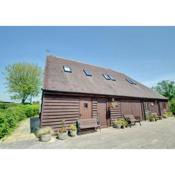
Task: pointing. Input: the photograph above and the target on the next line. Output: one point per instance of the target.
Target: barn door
(132, 107)
(101, 109)
(85, 108)
(153, 107)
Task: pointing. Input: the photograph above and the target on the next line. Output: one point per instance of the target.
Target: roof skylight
(111, 77)
(106, 76)
(67, 69)
(87, 72)
(131, 81)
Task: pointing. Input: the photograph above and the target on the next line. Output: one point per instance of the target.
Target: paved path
(151, 135)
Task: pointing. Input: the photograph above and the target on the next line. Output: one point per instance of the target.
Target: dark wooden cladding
(152, 106)
(85, 108)
(132, 107)
(163, 107)
(102, 111)
(94, 108)
(115, 112)
(56, 109)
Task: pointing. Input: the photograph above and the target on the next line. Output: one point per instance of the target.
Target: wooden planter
(117, 126)
(62, 136)
(73, 133)
(45, 138)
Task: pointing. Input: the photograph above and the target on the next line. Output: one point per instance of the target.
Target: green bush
(152, 117)
(30, 110)
(7, 105)
(167, 114)
(172, 106)
(10, 117)
(118, 123)
(4, 127)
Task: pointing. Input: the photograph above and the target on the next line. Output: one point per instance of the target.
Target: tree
(23, 80)
(166, 88)
(172, 106)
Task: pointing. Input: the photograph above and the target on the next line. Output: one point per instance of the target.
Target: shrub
(11, 116)
(4, 127)
(17, 112)
(4, 105)
(172, 106)
(73, 127)
(62, 130)
(30, 110)
(120, 123)
(167, 114)
(152, 117)
(44, 131)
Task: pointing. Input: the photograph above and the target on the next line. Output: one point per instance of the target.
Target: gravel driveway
(151, 135)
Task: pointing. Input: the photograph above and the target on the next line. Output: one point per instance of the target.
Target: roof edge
(70, 92)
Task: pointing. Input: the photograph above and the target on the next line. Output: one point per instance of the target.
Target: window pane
(86, 105)
(67, 69)
(131, 81)
(106, 77)
(87, 72)
(111, 77)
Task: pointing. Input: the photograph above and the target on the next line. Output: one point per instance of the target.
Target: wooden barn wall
(132, 107)
(115, 112)
(152, 106)
(56, 109)
(163, 107)
(94, 108)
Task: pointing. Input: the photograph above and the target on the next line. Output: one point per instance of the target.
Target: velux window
(111, 77)
(106, 76)
(131, 81)
(87, 72)
(67, 69)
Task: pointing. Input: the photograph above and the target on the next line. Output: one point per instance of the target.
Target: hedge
(10, 117)
(7, 105)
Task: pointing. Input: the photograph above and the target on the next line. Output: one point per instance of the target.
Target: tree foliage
(172, 106)
(166, 88)
(23, 80)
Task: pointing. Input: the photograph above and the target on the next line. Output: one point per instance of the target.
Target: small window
(87, 72)
(86, 105)
(111, 77)
(67, 69)
(131, 81)
(152, 104)
(106, 77)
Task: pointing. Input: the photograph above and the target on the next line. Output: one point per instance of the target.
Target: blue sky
(145, 53)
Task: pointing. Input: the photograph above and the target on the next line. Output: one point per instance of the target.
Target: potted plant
(125, 123)
(73, 130)
(167, 114)
(151, 118)
(62, 132)
(44, 134)
(116, 124)
(155, 116)
(120, 123)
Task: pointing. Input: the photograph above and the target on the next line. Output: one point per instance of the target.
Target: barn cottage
(74, 90)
